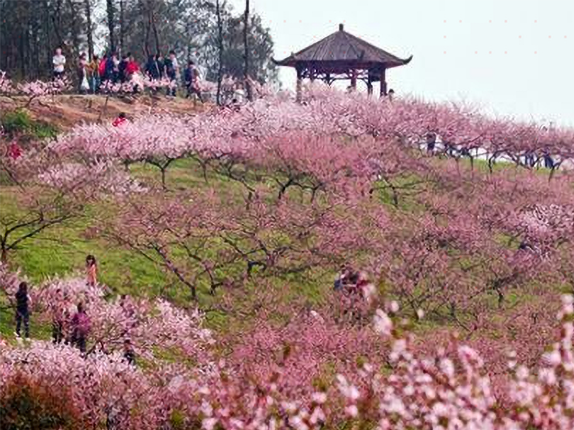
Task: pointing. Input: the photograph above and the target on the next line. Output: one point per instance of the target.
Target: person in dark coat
(151, 68)
(122, 68)
(171, 67)
(430, 142)
(23, 310)
(129, 353)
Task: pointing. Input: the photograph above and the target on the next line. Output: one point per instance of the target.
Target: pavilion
(343, 56)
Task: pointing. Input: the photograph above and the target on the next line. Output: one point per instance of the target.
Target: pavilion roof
(342, 47)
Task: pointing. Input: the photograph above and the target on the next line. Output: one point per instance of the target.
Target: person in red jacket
(102, 67)
(131, 69)
(121, 119)
(14, 151)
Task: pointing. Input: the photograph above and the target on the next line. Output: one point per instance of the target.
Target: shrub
(32, 405)
(19, 121)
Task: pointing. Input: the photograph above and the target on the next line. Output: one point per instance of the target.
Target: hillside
(239, 221)
(66, 111)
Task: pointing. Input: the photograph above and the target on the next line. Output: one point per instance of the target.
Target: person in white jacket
(59, 63)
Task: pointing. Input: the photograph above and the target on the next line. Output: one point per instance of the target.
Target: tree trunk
(151, 7)
(246, 45)
(89, 29)
(75, 32)
(220, 49)
(48, 40)
(110, 11)
(147, 30)
(4, 254)
(122, 26)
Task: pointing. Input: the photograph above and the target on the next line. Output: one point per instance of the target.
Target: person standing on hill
(172, 70)
(113, 68)
(122, 68)
(116, 69)
(80, 328)
(94, 74)
(160, 64)
(83, 85)
(58, 311)
(132, 69)
(91, 270)
(23, 309)
(151, 68)
(548, 161)
(102, 67)
(191, 77)
(430, 142)
(59, 62)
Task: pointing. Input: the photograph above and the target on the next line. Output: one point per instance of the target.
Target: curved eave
(292, 62)
(289, 62)
(406, 61)
(401, 63)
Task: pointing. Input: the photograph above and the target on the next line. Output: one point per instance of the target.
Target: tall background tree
(110, 10)
(246, 44)
(30, 30)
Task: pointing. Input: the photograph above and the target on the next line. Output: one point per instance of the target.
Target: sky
(512, 58)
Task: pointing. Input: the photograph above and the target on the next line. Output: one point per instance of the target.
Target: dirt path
(65, 111)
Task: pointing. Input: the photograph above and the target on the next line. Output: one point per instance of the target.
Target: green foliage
(177, 419)
(261, 50)
(19, 122)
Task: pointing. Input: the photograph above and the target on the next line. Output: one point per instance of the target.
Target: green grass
(61, 250)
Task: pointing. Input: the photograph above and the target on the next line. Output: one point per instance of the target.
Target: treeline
(208, 31)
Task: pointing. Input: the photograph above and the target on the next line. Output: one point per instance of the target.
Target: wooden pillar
(299, 89)
(383, 83)
(354, 79)
(369, 86)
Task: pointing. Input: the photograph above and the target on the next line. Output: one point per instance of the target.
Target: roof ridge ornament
(341, 27)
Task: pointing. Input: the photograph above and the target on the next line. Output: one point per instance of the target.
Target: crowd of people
(95, 75)
(71, 326)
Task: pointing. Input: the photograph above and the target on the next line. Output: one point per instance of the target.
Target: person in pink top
(91, 270)
(80, 328)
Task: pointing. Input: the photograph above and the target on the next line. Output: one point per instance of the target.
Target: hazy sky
(512, 57)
